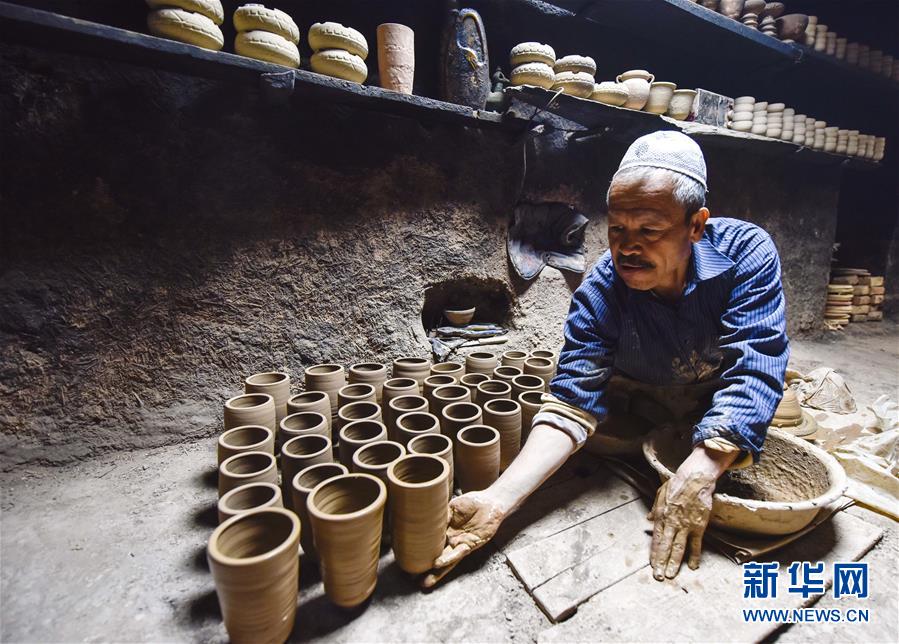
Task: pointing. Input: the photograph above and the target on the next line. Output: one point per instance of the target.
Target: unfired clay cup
(507, 372)
(541, 367)
(299, 453)
(275, 383)
(436, 445)
(302, 485)
(317, 401)
(453, 369)
(682, 104)
(493, 389)
(326, 377)
(365, 410)
(472, 380)
(526, 382)
(356, 434)
(448, 395)
(396, 387)
(302, 423)
(251, 409)
(505, 417)
(477, 454)
(415, 423)
(514, 359)
(481, 362)
(396, 57)
(458, 415)
(371, 373)
(432, 383)
(399, 406)
(249, 438)
(249, 497)
(357, 392)
(246, 467)
(412, 367)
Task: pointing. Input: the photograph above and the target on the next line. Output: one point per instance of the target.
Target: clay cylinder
(302, 423)
(328, 378)
(448, 395)
(249, 497)
(433, 383)
(356, 434)
(472, 380)
(249, 438)
(477, 457)
(254, 560)
(415, 423)
(358, 411)
(530, 402)
(506, 373)
(418, 501)
(493, 390)
(299, 453)
(545, 353)
(375, 458)
(411, 367)
(436, 445)
(526, 382)
(399, 406)
(359, 392)
(301, 486)
(541, 367)
(246, 467)
(514, 359)
(346, 513)
(505, 417)
(274, 383)
(458, 415)
(453, 369)
(251, 409)
(481, 362)
(396, 57)
(370, 373)
(396, 387)
(316, 401)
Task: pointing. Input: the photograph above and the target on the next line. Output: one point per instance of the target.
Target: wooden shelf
(46, 30)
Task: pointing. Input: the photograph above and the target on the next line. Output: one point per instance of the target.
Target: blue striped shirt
(729, 325)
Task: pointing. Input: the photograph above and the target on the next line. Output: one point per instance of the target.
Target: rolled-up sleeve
(755, 350)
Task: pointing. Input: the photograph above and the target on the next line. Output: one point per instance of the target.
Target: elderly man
(681, 320)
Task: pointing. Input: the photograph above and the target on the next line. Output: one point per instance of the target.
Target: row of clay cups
(825, 41)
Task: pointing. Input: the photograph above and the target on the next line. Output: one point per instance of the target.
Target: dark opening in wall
(492, 299)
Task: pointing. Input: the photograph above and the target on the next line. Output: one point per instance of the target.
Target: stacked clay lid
(792, 418)
(574, 75)
(266, 34)
(340, 51)
(532, 64)
(838, 308)
(195, 22)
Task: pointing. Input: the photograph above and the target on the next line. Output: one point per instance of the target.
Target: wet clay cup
(347, 514)
(458, 415)
(507, 373)
(249, 497)
(492, 390)
(302, 423)
(249, 438)
(448, 395)
(359, 392)
(316, 401)
(477, 457)
(415, 423)
(396, 387)
(530, 402)
(375, 458)
(246, 467)
(453, 369)
(299, 453)
(399, 406)
(274, 383)
(356, 434)
(638, 83)
(526, 382)
(412, 367)
(396, 57)
(370, 373)
(432, 383)
(481, 362)
(436, 445)
(544, 353)
(365, 410)
(251, 409)
(301, 486)
(514, 359)
(505, 417)
(419, 495)
(254, 560)
(472, 380)
(542, 367)
(328, 378)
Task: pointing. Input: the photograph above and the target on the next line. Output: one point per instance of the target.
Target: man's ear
(697, 224)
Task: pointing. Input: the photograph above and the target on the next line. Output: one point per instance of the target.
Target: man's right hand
(473, 520)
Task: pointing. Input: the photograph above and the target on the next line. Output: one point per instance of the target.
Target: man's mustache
(633, 262)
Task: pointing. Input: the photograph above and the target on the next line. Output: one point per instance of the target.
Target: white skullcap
(673, 151)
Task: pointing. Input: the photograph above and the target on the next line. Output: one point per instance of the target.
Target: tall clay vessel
(505, 417)
(246, 467)
(436, 445)
(415, 423)
(530, 402)
(371, 373)
(507, 372)
(526, 382)
(448, 395)
(249, 497)
(346, 513)
(399, 406)
(358, 392)
(453, 369)
(328, 378)
(418, 503)
(492, 390)
(458, 415)
(251, 409)
(365, 410)
(514, 359)
(301, 486)
(464, 65)
(356, 434)
(317, 401)
(543, 368)
(299, 453)
(396, 387)
(254, 559)
(472, 380)
(275, 383)
(249, 438)
(477, 457)
(302, 423)
(481, 362)
(433, 383)
(396, 57)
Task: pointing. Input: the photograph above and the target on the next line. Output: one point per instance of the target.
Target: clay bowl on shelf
(459, 317)
(780, 494)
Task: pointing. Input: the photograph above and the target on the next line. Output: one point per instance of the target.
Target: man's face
(649, 235)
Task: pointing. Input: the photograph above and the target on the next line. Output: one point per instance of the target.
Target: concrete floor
(114, 549)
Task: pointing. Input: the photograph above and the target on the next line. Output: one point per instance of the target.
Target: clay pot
(249, 497)
(448, 395)
(453, 369)
(365, 410)
(774, 9)
(659, 99)
(458, 415)
(514, 359)
(317, 401)
(530, 402)
(477, 457)
(732, 8)
(250, 409)
(359, 392)
(411, 367)
(396, 387)
(544, 353)
(301, 486)
(418, 504)
(249, 438)
(637, 82)
(525, 382)
(375, 458)
(299, 453)
(682, 104)
(493, 389)
(481, 362)
(274, 383)
(610, 93)
(347, 514)
(436, 445)
(505, 417)
(506, 372)
(254, 560)
(459, 317)
(356, 434)
(328, 378)
(302, 423)
(540, 367)
(756, 7)
(399, 406)
(432, 383)
(415, 423)
(246, 467)
(472, 380)
(369, 373)
(396, 57)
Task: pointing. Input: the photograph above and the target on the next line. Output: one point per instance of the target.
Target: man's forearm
(545, 451)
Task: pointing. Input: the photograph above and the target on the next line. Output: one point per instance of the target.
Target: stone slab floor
(114, 550)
